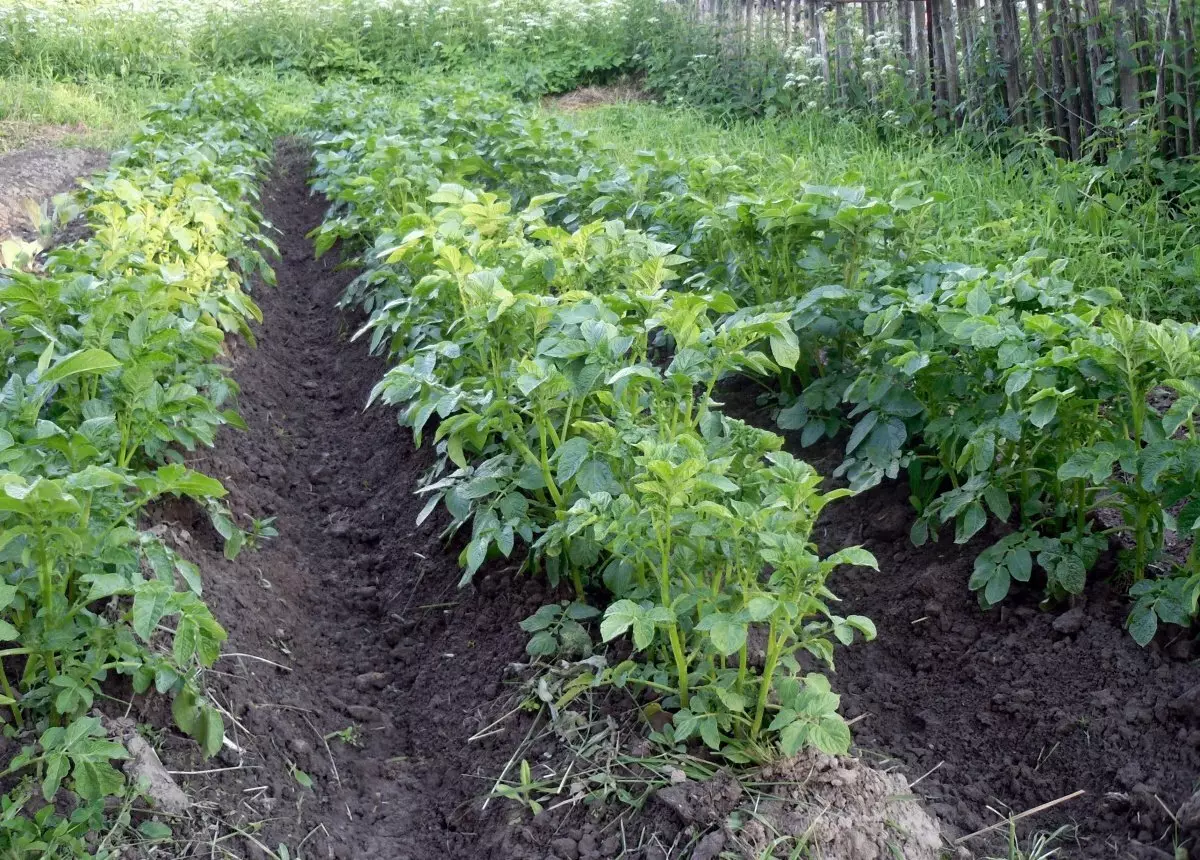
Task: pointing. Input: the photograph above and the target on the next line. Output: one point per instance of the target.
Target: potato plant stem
(8, 691)
(764, 689)
(664, 586)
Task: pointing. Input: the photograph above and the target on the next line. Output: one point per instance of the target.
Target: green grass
(1114, 232)
(36, 111)
(103, 113)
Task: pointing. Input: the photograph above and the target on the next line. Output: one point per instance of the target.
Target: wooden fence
(1079, 69)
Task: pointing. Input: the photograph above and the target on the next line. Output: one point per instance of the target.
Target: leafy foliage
(111, 359)
(570, 379)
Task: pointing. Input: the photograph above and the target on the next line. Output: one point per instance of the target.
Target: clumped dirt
(37, 175)
(835, 807)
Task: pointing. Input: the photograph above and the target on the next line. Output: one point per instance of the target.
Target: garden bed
(1014, 707)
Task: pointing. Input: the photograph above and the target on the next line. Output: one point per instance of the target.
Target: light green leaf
(80, 362)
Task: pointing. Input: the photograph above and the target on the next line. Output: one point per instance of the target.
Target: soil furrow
(358, 602)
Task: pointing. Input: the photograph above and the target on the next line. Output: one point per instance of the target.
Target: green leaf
(542, 644)
(1017, 380)
(213, 735)
(153, 830)
(863, 625)
(618, 618)
(80, 362)
(785, 349)
(998, 502)
(794, 737)
(543, 618)
(1142, 624)
(95, 780)
(725, 631)
(854, 555)
(760, 608)
(970, 521)
(978, 301)
(570, 458)
(861, 429)
(997, 586)
(1071, 574)
(57, 765)
(794, 417)
(1020, 564)
(1043, 412)
(149, 606)
(831, 735)
(595, 476)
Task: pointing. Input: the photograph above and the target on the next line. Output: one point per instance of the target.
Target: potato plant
(1007, 396)
(571, 380)
(111, 353)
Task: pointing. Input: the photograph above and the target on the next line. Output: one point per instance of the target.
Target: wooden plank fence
(1086, 71)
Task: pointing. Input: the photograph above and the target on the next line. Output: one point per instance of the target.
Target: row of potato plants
(1002, 394)
(111, 351)
(566, 382)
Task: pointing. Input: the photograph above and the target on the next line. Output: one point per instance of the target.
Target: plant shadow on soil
(361, 605)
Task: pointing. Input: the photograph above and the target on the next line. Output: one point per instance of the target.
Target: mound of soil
(836, 808)
(38, 174)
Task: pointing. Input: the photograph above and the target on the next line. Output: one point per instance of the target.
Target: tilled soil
(1008, 709)
(1015, 707)
(356, 601)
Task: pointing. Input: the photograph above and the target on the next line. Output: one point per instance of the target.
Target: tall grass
(372, 39)
(1111, 230)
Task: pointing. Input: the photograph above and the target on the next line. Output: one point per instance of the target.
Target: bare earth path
(358, 602)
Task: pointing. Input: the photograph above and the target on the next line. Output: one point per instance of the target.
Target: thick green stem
(46, 587)
(8, 691)
(664, 589)
(764, 689)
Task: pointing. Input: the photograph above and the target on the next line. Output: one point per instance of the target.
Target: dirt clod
(1071, 621)
(702, 802)
(840, 807)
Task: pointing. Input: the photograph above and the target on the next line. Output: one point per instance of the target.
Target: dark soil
(356, 600)
(1014, 707)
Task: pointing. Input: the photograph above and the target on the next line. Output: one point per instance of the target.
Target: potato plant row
(111, 350)
(1045, 418)
(565, 377)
